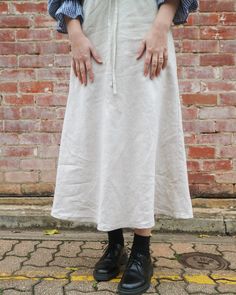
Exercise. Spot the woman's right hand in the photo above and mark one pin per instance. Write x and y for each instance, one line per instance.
(82, 50)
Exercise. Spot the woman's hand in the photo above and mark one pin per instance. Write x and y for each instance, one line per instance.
(155, 43)
(82, 50)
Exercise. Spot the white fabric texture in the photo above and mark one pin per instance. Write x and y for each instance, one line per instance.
(122, 158)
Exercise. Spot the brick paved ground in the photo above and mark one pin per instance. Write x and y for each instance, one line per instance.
(34, 263)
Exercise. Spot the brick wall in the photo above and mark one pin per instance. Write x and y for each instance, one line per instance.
(34, 73)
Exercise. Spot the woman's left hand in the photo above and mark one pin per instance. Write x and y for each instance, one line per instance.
(155, 43)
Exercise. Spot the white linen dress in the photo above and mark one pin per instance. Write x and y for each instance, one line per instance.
(122, 158)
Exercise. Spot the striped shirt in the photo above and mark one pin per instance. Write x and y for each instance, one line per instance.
(73, 9)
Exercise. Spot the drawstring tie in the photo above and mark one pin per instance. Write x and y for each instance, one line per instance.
(113, 43)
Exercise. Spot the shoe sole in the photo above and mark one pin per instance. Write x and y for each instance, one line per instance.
(137, 291)
(107, 277)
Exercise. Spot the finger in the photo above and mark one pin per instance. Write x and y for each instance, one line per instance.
(95, 55)
(165, 59)
(154, 65)
(74, 66)
(89, 69)
(141, 49)
(78, 72)
(147, 62)
(160, 63)
(83, 72)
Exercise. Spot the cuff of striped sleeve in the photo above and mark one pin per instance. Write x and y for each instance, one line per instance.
(185, 7)
(70, 8)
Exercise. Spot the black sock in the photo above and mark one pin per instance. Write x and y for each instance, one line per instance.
(116, 236)
(141, 244)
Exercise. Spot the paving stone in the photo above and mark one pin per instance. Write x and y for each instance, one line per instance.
(204, 288)
(227, 247)
(161, 249)
(69, 249)
(180, 247)
(49, 244)
(165, 262)
(50, 287)
(226, 288)
(38, 272)
(10, 264)
(6, 245)
(81, 286)
(91, 253)
(41, 257)
(231, 257)
(23, 248)
(14, 292)
(206, 248)
(22, 285)
(172, 288)
(74, 292)
(74, 262)
(93, 245)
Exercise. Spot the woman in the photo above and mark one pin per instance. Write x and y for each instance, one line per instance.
(122, 158)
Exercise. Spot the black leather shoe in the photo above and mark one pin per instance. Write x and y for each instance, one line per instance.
(136, 278)
(110, 263)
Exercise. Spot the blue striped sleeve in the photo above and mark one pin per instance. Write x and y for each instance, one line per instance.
(185, 7)
(59, 8)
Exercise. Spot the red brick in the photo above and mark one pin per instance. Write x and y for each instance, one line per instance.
(23, 99)
(217, 165)
(218, 86)
(6, 87)
(7, 21)
(201, 152)
(10, 113)
(8, 61)
(37, 164)
(18, 151)
(228, 98)
(200, 46)
(217, 60)
(226, 125)
(32, 34)
(208, 19)
(216, 5)
(226, 33)
(17, 48)
(199, 177)
(3, 7)
(21, 176)
(217, 112)
(7, 35)
(199, 99)
(185, 32)
(193, 166)
(227, 18)
(30, 7)
(38, 61)
(21, 126)
(198, 126)
(29, 113)
(228, 46)
(35, 87)
(51, 100)
(17, 74)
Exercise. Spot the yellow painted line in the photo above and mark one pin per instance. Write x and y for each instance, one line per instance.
(195, 278)
(199, 279)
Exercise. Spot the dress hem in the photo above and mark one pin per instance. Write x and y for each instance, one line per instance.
(87, 219)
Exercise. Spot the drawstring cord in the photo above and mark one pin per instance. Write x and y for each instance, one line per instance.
(113, 42)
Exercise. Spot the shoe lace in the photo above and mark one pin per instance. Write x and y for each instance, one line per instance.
(133, 260)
